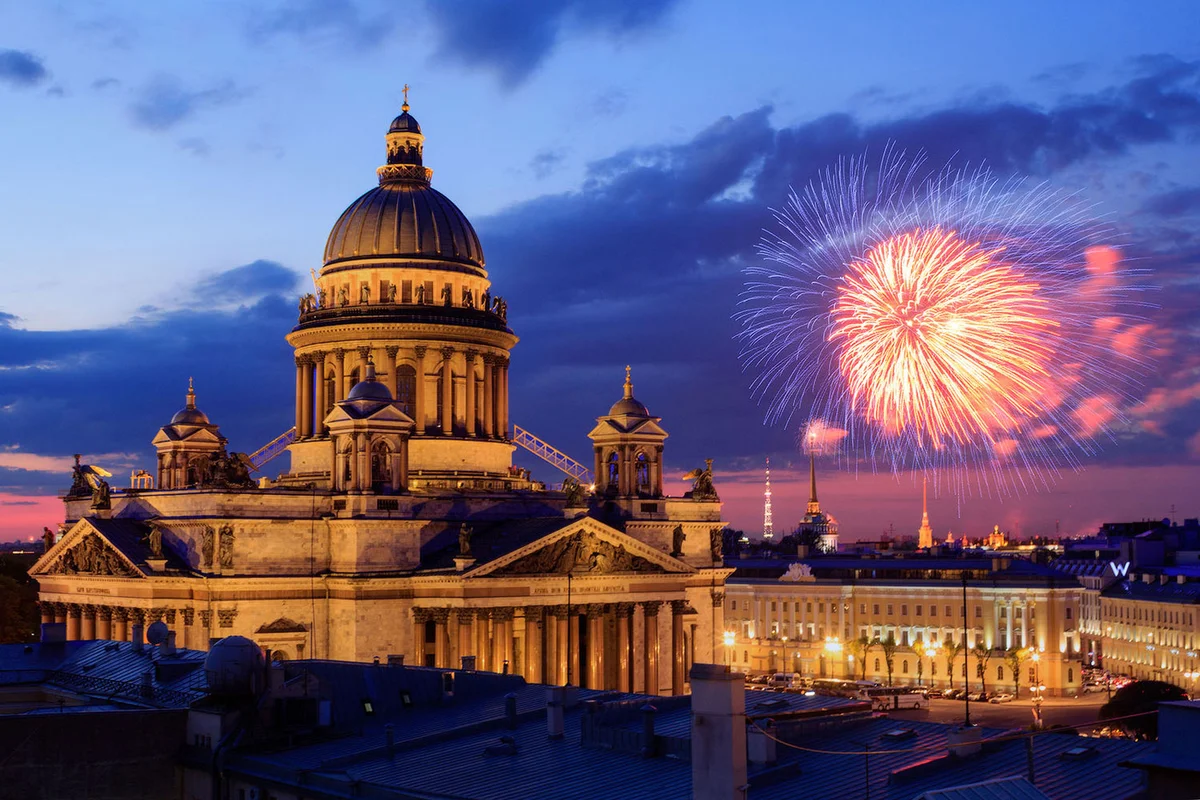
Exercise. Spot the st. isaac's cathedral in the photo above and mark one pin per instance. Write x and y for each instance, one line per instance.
(402, 531)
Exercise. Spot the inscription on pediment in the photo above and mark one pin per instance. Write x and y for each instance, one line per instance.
(92, 556)
(579, 553)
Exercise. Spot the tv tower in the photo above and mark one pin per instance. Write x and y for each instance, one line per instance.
(768, 525)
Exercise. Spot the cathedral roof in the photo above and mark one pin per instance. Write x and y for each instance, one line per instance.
(404, 217)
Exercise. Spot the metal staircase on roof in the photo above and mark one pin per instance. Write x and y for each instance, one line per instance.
(552, 455)
(273, 448)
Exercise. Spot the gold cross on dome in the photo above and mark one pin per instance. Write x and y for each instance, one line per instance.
(405, 90)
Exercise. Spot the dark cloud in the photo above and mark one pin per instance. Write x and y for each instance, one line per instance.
(1175, 203)
(546, 162)
(17, 503)
(21, 69)
(512, 39)
(343, 22)
(643, 262)
(247, 283)
(7, 320)
(165, 102)
(100, 84)
(136, 374)
(56, 91)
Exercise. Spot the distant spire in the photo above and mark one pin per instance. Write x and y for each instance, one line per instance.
(925, 534)
(628, 382)
(191, 395)
(813, 506)
(768, 524)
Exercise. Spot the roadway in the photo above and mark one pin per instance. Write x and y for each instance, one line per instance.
(1017, 714)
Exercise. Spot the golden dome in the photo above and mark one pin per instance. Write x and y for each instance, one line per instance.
(404, 217)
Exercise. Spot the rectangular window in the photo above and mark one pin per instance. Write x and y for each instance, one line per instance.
(820, 608)
(889, 609)
(405, 291)
(918, 611)
(1003, 612)
(1068, 613)
(978, 611)
(429, 292)
(904, 610)
(862, 608)
(876, 609)
(733, 605)
(383, 290)
(904, 638)
(933, 611)
(1019, 612)
(796, 606)
(772, 605)
(949, 613)
(808, 607)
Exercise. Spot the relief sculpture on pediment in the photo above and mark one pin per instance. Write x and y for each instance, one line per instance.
(579, 553)
(92, 556)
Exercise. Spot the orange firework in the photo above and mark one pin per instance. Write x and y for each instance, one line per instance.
(940, 340)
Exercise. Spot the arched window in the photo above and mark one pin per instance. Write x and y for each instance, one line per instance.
(999, 673)
(329, 385)
(642, 473)
(904, 667)
(1070, 675)
(353, 379)
(406, 387)
(614, 469)
(381, 465)
(877, 665)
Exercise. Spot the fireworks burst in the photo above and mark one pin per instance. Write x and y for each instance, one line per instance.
(950, 321)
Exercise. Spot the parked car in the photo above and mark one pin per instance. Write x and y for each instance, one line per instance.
(758, 680)
(784, 680)
(934, 693)
(1002, 697)
(953, 694)
(978, 697)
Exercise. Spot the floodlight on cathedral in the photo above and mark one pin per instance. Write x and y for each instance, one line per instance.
(768, 532)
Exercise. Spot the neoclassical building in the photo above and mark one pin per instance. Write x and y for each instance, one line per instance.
(402, 528)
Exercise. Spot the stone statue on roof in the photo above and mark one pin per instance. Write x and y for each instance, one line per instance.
(464, 539)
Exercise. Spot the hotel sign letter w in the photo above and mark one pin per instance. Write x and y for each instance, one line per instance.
(1120, 570)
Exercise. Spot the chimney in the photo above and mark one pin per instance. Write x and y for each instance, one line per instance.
(718, 733)
(761, 742)
(649, 743)
(556, 699)
(168, 648)
(468, 663)
(139, 638)
(510, 710)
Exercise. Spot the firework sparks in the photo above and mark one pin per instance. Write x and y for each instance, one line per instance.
(944, 322)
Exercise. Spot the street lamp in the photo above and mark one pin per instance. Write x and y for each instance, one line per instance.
(1038, 688)
(728, 638)
(785, 667)
(932, 652)
(833, 646)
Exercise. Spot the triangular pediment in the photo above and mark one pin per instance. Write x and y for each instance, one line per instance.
(84, 550)
(282, 625)
(375, 412)
(188, 433)
(607, 427)
(586, 547)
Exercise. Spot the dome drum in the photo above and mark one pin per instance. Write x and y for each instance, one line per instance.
(403, 314)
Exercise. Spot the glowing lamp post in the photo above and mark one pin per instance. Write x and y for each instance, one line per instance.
(728, 638)
(932, 652)
(833, 646)
(1038, 688)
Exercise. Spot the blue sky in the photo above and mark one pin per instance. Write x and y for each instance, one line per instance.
(618, 160)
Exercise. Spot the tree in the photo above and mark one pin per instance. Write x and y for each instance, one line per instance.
(952, 649)
(889, 654)
(1016, 658)
(982, 654)
(858, 649)
(1141, 697)
(920, 666)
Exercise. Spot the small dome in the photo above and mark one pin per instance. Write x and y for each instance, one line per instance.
(628, 406)
(157, 632)
(405, 123)
(234, 666)
(189, 414)
(369, 388)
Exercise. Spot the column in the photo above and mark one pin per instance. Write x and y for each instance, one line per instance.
(339, 375)
(502, 398)
(1008, 625)
(678, 609)
(452, 655)
(466, 631)
(505, 636)
(319, 390)
(658, 470)
(650, 614)
(390, 365)
(447, 392)
(441, 637)
(470, 389)
(419, 400)
(299, 400)
(87, 626)
(595, 632)
(120, 630)
(533, 644)
(420, 617)
(188, 639)
(74, 612)
(483, 639)
(489, 419)
(47, 611)
(306, 398)
(551, 654)
(563, 626)
(624, 647)
(574, 671)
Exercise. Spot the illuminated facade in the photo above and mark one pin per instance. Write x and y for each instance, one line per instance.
(402, 528)
(822, 605)
(1152, 629)
(816, 520)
